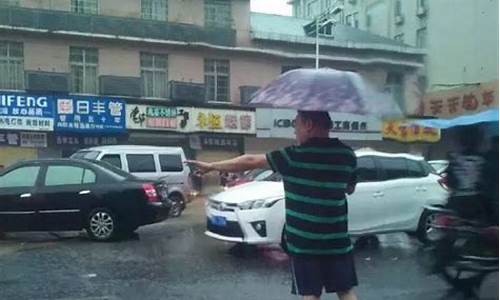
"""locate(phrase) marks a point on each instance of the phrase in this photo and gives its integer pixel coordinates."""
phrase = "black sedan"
(73, 194)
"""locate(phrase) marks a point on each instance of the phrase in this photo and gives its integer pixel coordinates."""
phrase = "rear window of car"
(113, 159)
(171, 163)
(86, 154)
(366, 170)
(415, 169)
(393, 168)
(141, 163)
(110, 169)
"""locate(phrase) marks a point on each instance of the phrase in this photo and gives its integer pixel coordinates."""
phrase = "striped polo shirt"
(315, 177)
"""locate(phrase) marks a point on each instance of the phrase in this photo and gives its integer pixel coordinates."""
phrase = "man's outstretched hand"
(200, 167)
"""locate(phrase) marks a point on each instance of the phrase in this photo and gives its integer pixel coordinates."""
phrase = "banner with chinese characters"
(279, 123)
(22, 111)
(157, 117)
(405, 131)
(23, 139)
(222, 142)
(461, 101)
(90, 114)
(222, 120)
(83, 141)
(190, 119)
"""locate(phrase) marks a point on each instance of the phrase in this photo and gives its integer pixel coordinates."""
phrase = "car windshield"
(86, 154)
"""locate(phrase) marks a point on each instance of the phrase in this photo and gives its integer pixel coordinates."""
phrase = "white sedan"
(390, 196)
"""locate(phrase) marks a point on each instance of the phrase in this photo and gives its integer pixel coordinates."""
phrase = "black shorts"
(313, 273)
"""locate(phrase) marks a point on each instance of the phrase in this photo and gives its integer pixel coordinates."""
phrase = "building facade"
(161, 72)
(460, 36)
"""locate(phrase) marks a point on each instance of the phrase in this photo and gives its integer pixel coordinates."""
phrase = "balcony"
(57, 21)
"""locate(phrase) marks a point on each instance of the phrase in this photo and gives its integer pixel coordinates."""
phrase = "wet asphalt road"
(174, 260)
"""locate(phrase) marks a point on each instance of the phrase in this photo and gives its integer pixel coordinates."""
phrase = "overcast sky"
(277, 7)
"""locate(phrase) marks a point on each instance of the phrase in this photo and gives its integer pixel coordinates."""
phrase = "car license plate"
(218, 220)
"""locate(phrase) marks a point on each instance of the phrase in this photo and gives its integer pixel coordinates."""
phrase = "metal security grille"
(83, 63)
(217, 80)
(218, 13)
(84, 6)
(154, 10)
(154, 74)
(11, 65)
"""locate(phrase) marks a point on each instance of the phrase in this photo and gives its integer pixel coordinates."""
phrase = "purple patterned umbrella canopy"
(325, 90)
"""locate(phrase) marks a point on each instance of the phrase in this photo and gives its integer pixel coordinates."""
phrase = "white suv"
(149, 162)
(390, 196)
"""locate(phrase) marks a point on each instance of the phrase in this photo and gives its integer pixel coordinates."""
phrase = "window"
(22, 177)
(11, 65)
(398, 11)
(84, 7)
(366, 170)
(67, 175)
(141, 163)
(415, 169)
(400, 37)
(421, 38)
(113, 159)
(154, 75)
(83, 63)
(218, 13)
(394, 168)
(217, 80)
(352, 20)
(86, 154)
(171, 163)
(88, 176)
(154, 10)
(422, 4)
(313, 8)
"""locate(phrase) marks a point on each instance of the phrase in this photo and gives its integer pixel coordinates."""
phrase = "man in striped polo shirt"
(317, 174)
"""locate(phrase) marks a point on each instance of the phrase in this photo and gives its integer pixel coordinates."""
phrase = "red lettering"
(470, 102)
(488, 98)
(453, 104)
(436, 106)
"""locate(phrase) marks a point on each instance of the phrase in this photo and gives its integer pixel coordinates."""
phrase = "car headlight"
(260, 203)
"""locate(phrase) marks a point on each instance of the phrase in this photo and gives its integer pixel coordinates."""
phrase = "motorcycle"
(464, 251)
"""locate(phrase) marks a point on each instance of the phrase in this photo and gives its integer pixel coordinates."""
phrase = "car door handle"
(26, 195)
(421, 189)
(378, 194)
(85, 192)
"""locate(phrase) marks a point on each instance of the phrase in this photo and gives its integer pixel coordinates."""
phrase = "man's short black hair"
(318, 118)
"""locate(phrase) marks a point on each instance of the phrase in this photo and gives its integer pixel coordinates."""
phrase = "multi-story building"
(174, 72)
(460, 36)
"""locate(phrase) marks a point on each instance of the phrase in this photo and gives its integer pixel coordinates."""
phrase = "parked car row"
(390, 196)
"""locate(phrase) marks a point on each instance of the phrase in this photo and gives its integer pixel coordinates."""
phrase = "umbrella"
(482, 117)
(325, 90)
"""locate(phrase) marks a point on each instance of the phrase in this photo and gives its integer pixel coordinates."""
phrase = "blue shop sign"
(90, 114)
(22, 111)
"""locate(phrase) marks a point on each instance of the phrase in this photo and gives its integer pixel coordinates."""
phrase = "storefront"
(204, 133)
(26, 120)
(86, 121)
(275, 129)
(451, 103)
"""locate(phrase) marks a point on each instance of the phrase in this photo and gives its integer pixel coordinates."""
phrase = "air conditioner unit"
(187, 91)
(399, 20)
(421, 11)
(47, 81)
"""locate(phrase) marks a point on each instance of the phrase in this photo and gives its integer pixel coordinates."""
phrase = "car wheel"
(425, 232)
(102, 225)
(177, 207)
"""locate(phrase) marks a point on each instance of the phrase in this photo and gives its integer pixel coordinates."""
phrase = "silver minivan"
(149, 162)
